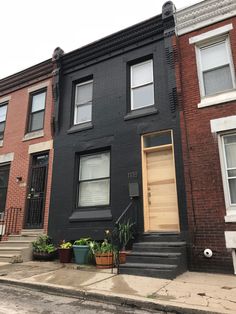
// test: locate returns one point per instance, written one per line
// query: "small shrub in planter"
(43, 249)
(81, 250)
(104, 254)
(125, 233)
(65, 252)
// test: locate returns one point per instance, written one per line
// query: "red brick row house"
(206, 82)
(26, 148)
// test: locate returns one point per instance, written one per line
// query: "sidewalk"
(188, 293)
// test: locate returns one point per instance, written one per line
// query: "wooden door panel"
(161, 191)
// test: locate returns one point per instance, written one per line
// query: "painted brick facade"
(14, 136)
(203, 180)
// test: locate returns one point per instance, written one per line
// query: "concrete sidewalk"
(188, 293)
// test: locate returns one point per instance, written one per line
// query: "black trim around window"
(31, 114)
(3, 123)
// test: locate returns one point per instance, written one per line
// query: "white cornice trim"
(202, 14)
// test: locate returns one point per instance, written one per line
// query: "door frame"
(29, 187)
(144, 152)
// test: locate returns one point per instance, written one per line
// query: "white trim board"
(223, 124)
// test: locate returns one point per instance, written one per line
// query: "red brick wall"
(16, 123)
(204, 188)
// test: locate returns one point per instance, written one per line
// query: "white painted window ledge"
(230, 218)
(217, 99)
(32, 135)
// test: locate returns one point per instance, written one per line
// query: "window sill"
(91, 215)
(217, 99)
(141, 113)
(80, 127)
(230, 218)
(33, 135)
(1, 143)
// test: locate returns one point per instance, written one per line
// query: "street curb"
(100, 297)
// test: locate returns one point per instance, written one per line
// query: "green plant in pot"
(104, 254)
(81, 250)
(125, 233)
(65, 252)
(44, 249)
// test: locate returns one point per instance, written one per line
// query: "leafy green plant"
(125, 232)
(43, 245)
(83, 241)
(65, 245)
(104, 247)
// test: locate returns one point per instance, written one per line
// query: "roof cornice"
(203, 13)
(116, 42)
(26, 77)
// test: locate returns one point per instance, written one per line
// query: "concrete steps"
(18, 248)
(156, 255)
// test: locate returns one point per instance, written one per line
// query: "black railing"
(127, 217)
(9, 221)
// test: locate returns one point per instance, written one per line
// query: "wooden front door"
(37, 192)
(159, 184)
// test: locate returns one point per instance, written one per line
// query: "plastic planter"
(81, 253)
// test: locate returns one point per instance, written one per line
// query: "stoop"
(18, 248)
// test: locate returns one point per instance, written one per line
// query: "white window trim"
(211, 34)
(230, 209)
(77, 105)
(132, 87)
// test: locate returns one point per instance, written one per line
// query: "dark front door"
(4, 176)
(37, 192)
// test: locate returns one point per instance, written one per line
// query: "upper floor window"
(142, 85)
(83, 102)
(94, 180)
(3, 114)
(216, 71)
(37, 110)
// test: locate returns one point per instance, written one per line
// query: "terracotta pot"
(122, 257)
(65, 255)
(104, 260)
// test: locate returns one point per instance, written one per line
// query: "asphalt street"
(24, 301)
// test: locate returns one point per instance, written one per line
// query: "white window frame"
(132, 87)
(230, 208)
(94, 180)
(207, 39)
(84, 104)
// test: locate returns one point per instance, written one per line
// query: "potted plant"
(81, 249)
(125, 233)
(104, 254)
(43, 249)
(65, 252)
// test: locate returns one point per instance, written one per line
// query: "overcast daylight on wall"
(31, 31)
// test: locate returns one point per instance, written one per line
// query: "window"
(3, 113)
(142, 85)
(83, 102)
(216, 67)
(229, 156)
(94, 180)
(4, 175)
(36, 118)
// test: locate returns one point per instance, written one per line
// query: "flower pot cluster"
(85, 249)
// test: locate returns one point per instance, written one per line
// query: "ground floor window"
(4, 176)
(229, 167)
(94, 180)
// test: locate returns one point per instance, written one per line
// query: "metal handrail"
(9, 220)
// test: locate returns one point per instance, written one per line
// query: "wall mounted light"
(18, 179)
